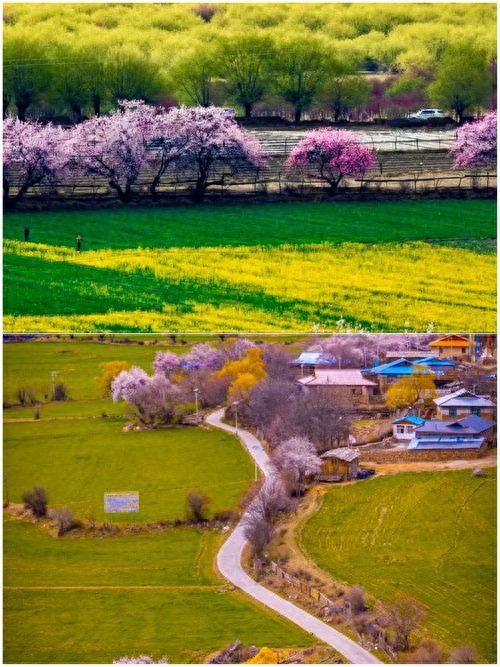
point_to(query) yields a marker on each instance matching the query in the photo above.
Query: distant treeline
(340, 61)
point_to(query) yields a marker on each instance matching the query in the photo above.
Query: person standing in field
(78, 243)
(26, 233)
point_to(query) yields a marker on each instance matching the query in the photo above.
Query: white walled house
(403, 428)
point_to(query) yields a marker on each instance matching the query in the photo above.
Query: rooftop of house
(313, 359)
(336, 377)
(472, 425)
(408, 354)
(405, 366)
(343, 453)
(464, 398)
(434, 361)
(409, 419)
(453, 340)
(446, 442)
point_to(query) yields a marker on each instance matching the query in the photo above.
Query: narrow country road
(229, 563)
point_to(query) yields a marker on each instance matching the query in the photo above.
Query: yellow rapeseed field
(414, 286)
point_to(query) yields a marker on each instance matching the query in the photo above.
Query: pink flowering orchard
(33, 154)
(476, 144)
(330, 155)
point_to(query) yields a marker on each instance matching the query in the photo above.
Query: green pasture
(146, 594)
(78, 460)
(431, 535)
(257, 224)
(77, 364)
(175, 557)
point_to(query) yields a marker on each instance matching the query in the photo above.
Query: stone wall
(412, 455)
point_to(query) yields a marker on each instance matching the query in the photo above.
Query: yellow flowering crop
(413, 286)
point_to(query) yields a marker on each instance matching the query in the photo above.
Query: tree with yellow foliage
(266, 656)
(110, 370)
(244, 373)
(407, 391)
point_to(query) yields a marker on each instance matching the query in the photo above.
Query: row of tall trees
(83, 62)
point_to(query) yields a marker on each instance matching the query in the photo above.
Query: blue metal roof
(413, 419)
(446, 442)
(433, 361)
(313, 359)
(472, 425)
(398, 367)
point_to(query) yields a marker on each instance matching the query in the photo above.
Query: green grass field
(78, 460)
(77, 363)
(176, 608)
(257, 224)
(432, 535)
(259, 267)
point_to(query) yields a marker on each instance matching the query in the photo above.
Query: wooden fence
(328, 606)
(304, 586)
(395, 172)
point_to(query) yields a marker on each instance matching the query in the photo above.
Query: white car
(425, 114)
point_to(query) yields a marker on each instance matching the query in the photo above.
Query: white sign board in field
(121, 502)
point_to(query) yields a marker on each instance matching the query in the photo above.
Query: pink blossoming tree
(213, 139)
(165, 363)
(117, 147)
(202, 355)
(476, 144)
(330, 155)
(152, 397)
(33, 154)
(297, 460)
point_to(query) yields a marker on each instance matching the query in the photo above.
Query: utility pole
(53, 377)
(196, 390)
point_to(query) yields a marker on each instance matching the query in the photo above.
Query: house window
(400, 428)
(452, 412)
(464, 350)
(475, 411)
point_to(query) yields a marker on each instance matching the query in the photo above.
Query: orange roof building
(453, 346)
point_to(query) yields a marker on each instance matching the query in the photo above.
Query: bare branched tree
(404, 615)
(257, 530)
(272, 498)
(196, 506)
(463, 655)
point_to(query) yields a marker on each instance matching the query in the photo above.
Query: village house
(339, 465)
(308, 361)
(347, 383)
(444, 370)
(452, 346)
(463, 403)
(404, 427)
(468, 433)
